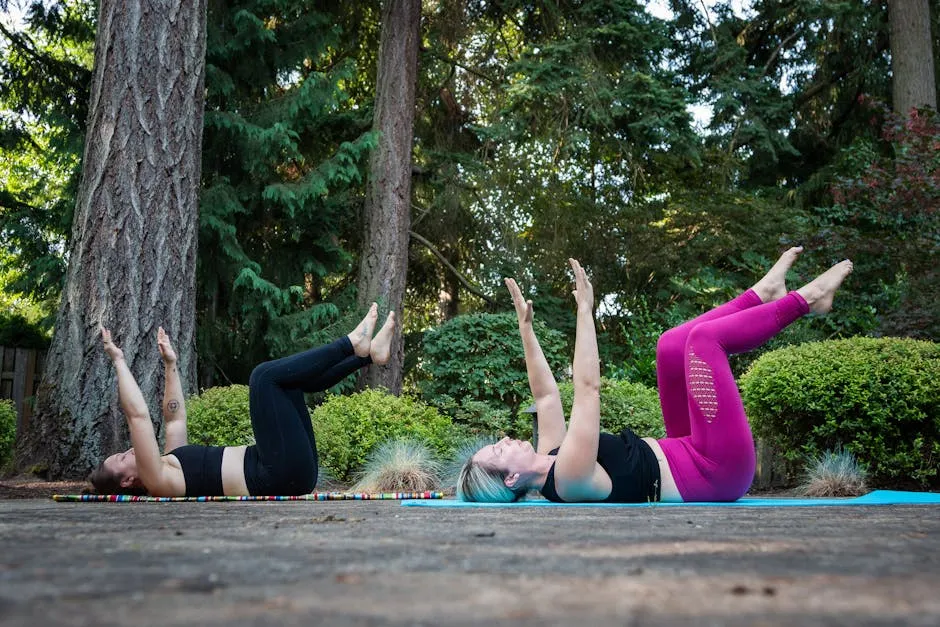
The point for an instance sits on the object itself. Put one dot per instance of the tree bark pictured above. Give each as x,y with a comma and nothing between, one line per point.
132,253
912,59
387,210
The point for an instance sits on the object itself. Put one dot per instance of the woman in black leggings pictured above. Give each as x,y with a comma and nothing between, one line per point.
283,460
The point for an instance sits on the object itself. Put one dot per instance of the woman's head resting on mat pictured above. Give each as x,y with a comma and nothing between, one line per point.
117,474
498,473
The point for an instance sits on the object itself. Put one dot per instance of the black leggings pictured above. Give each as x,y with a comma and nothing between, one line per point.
283,460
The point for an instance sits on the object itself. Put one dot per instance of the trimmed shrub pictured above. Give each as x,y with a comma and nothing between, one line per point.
877,398
7,431
348,428
479,418
623,404
479,357
219,417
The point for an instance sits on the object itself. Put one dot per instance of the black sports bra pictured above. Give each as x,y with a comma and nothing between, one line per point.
631,465
202,468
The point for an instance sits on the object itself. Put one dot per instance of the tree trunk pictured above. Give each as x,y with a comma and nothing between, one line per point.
132,253
912,61
387,210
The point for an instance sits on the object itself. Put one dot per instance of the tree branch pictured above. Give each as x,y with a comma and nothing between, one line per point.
463,66
463,280
776,53
708,20
25,45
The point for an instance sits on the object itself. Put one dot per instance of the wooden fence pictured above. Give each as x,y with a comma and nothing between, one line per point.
20,369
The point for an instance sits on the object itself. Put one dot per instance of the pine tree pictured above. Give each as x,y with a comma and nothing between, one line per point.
285,148
44,77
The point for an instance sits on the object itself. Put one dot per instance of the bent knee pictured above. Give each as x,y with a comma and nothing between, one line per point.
260,374
671,345
702,335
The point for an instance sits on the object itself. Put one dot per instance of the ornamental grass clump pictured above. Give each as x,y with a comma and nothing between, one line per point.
834,473
401,465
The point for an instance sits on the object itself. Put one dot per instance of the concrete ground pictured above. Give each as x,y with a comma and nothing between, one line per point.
378,563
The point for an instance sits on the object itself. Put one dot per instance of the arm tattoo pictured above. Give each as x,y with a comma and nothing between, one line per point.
172,406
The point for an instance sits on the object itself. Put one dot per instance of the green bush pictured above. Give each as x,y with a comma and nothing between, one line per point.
623,404
478,418
479,357
7,431
17,331
348,428
219,417
878,398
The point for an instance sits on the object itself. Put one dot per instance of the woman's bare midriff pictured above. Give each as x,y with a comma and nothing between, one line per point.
668,491
233,471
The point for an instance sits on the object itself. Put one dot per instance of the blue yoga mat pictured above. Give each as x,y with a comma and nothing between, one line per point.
878,497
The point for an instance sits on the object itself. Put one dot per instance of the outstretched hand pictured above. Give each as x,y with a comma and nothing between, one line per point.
115,353
166,349
583,290
523,306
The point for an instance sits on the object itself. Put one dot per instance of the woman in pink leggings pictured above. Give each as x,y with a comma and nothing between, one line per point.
708,451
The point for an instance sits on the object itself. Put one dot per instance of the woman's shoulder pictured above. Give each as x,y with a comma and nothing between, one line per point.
593,486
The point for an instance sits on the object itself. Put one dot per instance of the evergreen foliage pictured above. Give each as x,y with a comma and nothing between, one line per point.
480,357
484,418
553,124
219,417
16,331
284,150
624,405
7,431
45,72
349,428
886,211
877,398
542,131
783,78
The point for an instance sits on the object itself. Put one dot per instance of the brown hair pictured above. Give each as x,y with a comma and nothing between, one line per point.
108,482
483,485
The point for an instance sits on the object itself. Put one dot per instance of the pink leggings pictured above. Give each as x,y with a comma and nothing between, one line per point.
708,441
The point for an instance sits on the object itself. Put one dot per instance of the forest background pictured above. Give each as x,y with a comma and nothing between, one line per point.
675,148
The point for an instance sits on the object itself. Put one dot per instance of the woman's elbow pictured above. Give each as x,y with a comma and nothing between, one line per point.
587,385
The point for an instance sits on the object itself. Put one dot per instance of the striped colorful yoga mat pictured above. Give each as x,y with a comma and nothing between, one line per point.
316,496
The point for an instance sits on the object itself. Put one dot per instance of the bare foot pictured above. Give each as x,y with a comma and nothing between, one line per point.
361,336
773,285
819,292
382,342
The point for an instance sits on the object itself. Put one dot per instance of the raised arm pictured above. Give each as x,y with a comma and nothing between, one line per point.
577,457
551,416
150,467
174,406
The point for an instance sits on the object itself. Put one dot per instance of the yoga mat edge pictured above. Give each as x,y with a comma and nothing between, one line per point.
316,496
878,497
